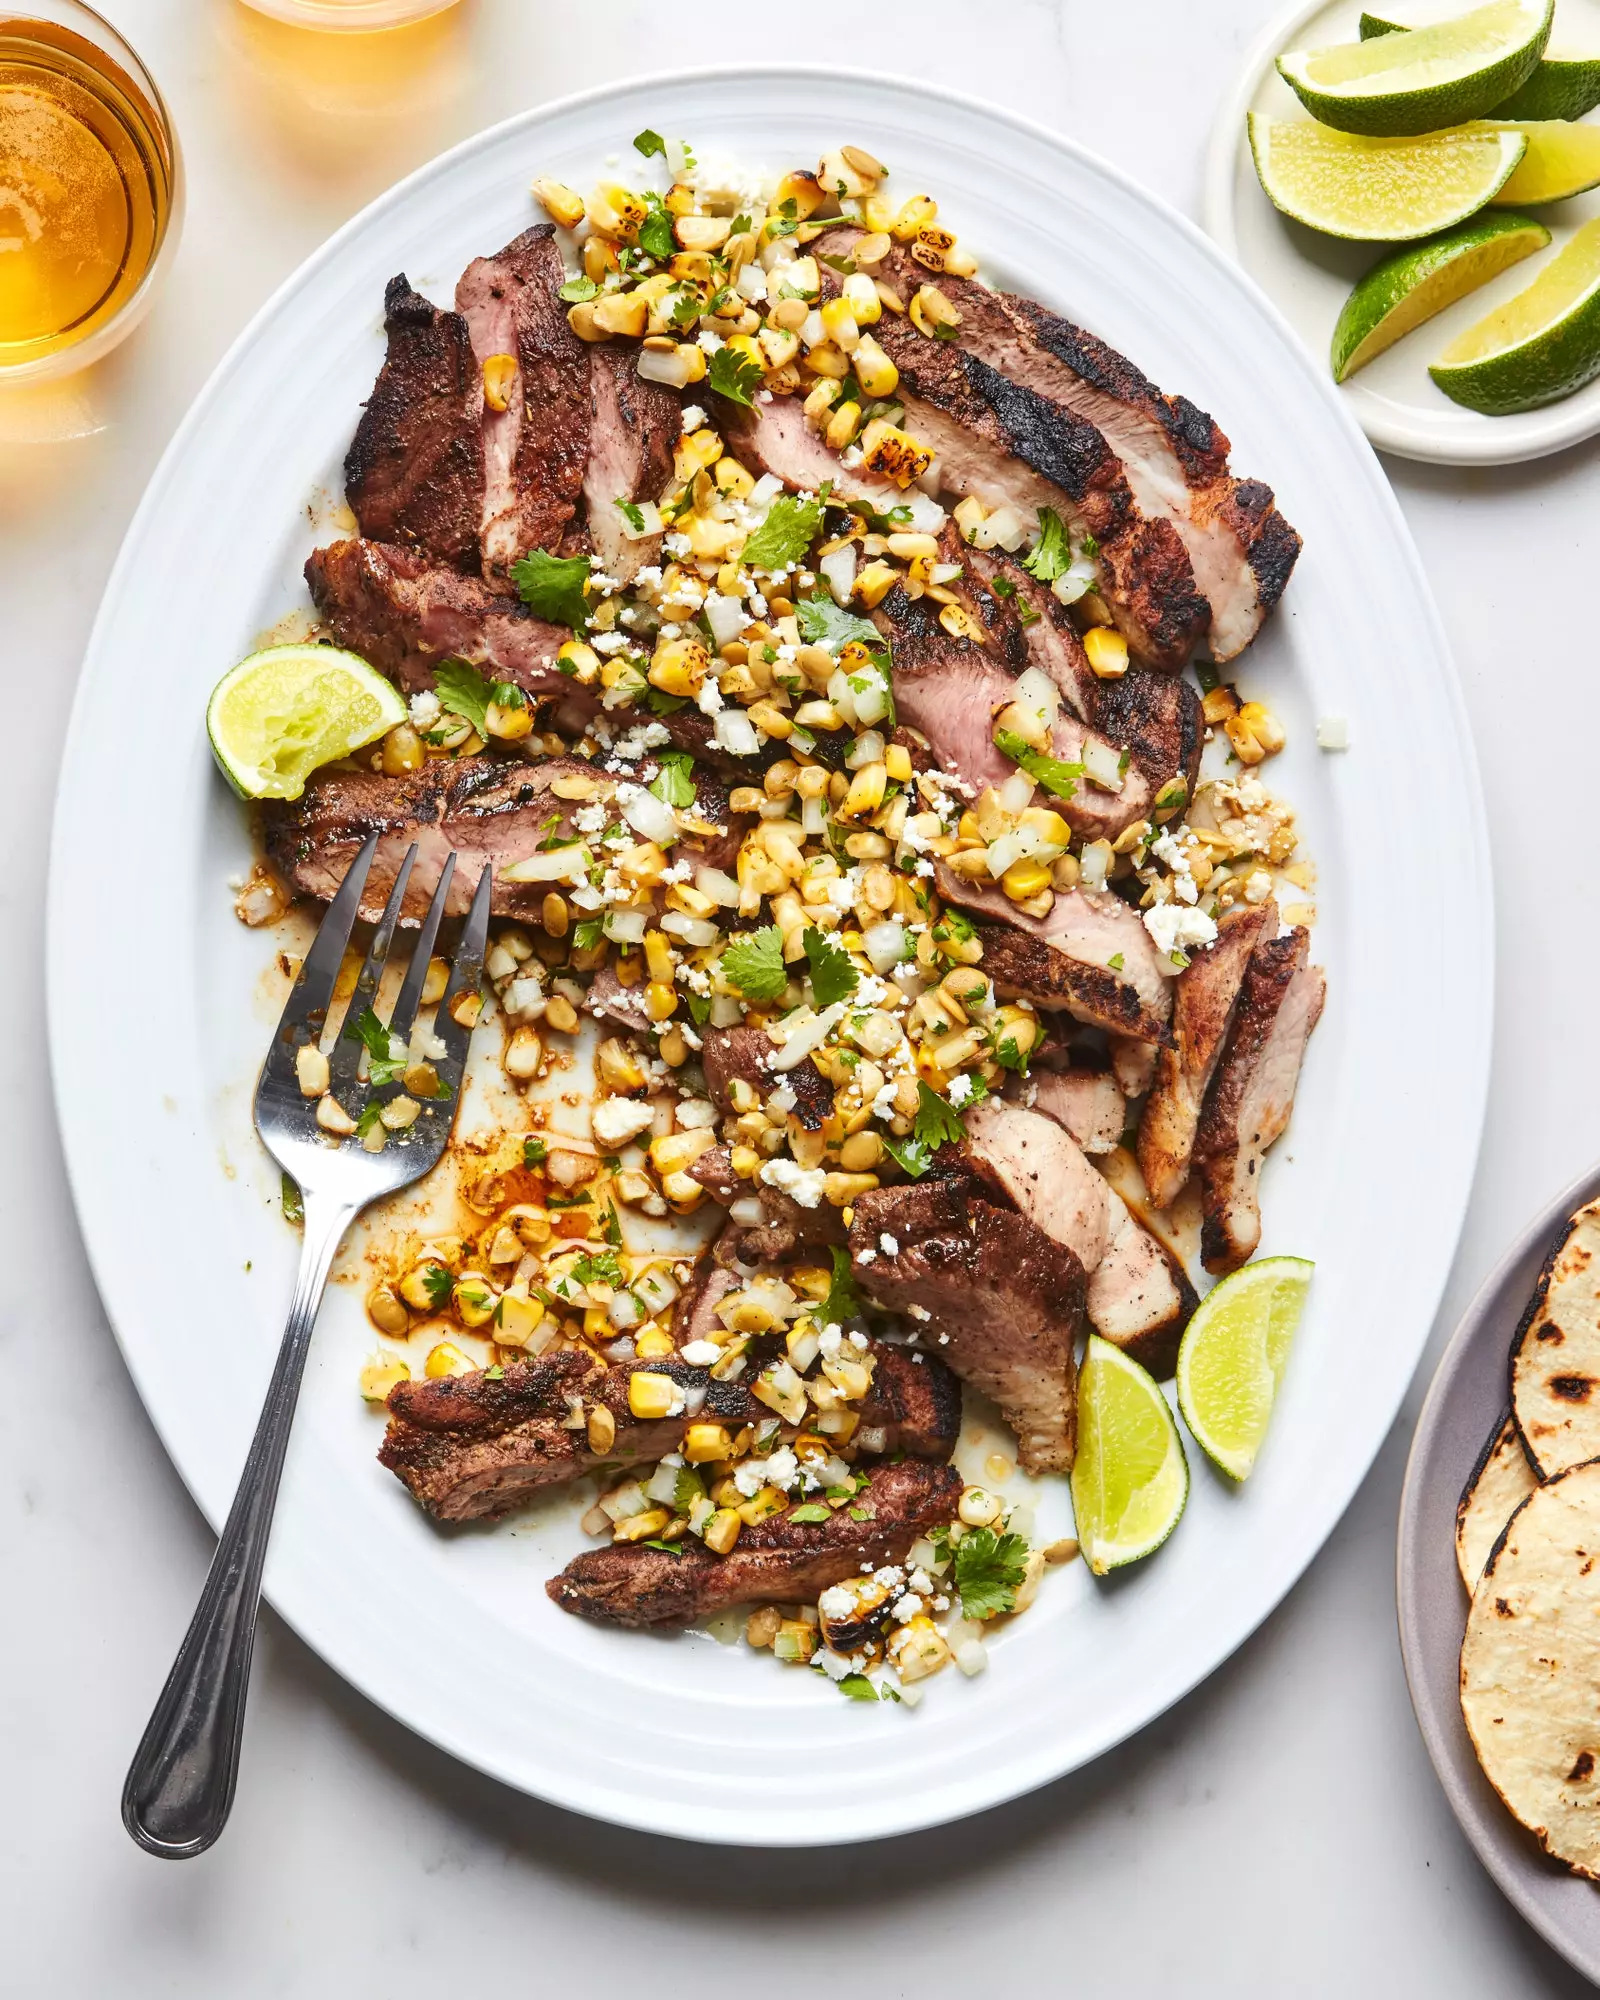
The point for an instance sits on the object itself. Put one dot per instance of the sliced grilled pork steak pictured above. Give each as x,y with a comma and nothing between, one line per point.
1253,1093
951,689
745,1054
1139,1296
1204,996
492,811
1087,1103
414,470
780,1560
406,613
536,449
472,1447
1004,1301
634,427
775,438
1036,1167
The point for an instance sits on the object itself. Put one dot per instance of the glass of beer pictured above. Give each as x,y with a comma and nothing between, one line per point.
91,189
350,16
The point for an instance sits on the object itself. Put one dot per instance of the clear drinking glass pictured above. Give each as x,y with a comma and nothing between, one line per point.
91,189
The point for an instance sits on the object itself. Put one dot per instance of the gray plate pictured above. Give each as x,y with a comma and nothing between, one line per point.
1466,1402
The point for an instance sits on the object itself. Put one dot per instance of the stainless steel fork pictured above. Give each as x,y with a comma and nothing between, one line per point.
179,1788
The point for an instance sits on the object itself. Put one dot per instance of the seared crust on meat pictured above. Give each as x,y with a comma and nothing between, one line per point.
1007,1299
1033,1163
746,1054
405,613
1253,1094
779,1559
1139,1296
414,470
474,1446
489,810
634,428
1025,963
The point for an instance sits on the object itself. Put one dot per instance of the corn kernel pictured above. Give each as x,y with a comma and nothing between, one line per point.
933,246
311,1070
722,1530
842,425
762,1505
839,324
499,379
704,1443
1024,880
473,1298
894,454
622,312
828,360
1107,652
581,662
380,1375
916,215
651,1395
640,1527
803,190
445,1359
652,1344
517,1317
874,583
562,204
897,762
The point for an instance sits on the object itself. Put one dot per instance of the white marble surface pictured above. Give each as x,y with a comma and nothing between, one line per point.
1278,1833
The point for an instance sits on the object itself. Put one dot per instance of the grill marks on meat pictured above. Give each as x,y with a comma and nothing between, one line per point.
633,428
1007,1298
414,470
490,810
471,1448
535,451
951,689
745,1055
1204,996
780,1559
405,614
1253,1094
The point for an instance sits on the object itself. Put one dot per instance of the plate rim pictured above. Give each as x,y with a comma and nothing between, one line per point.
1495,1837
1453,712
1537,433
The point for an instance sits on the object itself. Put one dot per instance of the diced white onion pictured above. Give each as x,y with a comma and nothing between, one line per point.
747,1212
1037,691
1094,864
871,701
720,887
1102,765
765,491
1073,582
557,864
736,733
931,479
625,926
669,367
927,516
1016,793
843,697
725,1011
813,818
751,282
839,572
694,1398
866,749
623,1311
1003,529
725,616
658,1288
884,945
651,818
650,522
693,930
812,331
806,1036
1002,852
663,1484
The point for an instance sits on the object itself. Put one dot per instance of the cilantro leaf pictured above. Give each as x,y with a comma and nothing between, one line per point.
294,1208
494,1374
438,1284
754,963
824,623
534,1152
553,586
936,1121
604,1268
649,142
857,1687
735,376
383,1065
989,1571
613,1229
368,1120
464,691
687,1488
666,1548
811,1512
955,927
699,1008
1059,778
631,514
675,784
843,1301
655,232
1051,555
833,977
910,1154
576,290
581,1199
1009,1056
786,534
588,933
1115,962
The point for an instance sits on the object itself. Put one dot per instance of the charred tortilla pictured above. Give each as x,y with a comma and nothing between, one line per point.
1501,1480
1530,1667
1555,1357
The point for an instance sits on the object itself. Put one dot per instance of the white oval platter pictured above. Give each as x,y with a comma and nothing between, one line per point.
1308,276
453,1633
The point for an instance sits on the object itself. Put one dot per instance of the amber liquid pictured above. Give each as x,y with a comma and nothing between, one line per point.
86,181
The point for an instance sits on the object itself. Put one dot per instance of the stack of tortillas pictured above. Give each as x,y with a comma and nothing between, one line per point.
1528,1543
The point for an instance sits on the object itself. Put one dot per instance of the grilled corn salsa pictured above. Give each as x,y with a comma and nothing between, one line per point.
826,933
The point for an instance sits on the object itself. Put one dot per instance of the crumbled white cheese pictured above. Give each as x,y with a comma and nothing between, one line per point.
889,1245
425,709
700,1353
619,1119
867,1256
693,418
1177,929
803,1183
907,1607
836,1601
960,1089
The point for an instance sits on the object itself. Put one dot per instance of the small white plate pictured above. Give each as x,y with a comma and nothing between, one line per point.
1308,277
452,1631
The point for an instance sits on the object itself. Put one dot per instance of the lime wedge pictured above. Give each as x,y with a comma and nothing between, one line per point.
1561,160
1381,190
1232,1357
1130,1478
1422,79
278,715
1538,347
1414,284
1562,86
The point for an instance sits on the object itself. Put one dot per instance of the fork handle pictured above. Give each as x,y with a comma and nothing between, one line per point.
179,1788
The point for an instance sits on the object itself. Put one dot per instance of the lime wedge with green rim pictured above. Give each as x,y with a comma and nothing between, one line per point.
1415,283
1422,79
1561,86
1561,160
1381,190
1232,1357
1130,1478
1538,347
279,715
